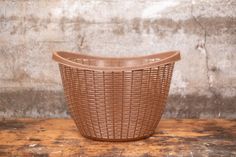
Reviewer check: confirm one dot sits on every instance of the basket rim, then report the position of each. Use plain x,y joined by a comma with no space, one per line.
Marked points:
163,58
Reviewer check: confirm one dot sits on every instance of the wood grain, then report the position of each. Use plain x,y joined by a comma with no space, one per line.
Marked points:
60,137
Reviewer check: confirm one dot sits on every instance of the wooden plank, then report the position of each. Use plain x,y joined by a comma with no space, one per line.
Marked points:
60,137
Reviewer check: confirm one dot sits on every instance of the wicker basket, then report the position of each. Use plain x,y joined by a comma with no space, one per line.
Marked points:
116,99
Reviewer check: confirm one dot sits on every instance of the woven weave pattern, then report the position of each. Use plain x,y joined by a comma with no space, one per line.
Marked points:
116,105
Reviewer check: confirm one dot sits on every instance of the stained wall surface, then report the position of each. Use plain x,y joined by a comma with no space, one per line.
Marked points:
204,81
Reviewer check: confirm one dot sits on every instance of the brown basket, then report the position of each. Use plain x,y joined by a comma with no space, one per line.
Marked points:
116,99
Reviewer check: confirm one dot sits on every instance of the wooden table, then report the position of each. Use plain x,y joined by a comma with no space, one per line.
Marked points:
59,137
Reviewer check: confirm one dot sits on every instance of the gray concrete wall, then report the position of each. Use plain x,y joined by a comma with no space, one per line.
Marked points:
204,81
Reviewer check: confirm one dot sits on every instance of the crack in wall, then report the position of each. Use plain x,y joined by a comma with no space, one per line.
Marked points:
203,46
82,42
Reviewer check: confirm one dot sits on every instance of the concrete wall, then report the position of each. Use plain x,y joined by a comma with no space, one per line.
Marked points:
204,81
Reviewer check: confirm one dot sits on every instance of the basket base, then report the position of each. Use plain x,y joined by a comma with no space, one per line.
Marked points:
118,140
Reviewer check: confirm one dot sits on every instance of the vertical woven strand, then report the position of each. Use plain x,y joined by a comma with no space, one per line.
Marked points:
139,104
99,95
152,102
165,86
117,94
122,105
95,95
104,91
113,107
157,98
90,114
163,90
142,128
130,104
83,100
76,94
167,83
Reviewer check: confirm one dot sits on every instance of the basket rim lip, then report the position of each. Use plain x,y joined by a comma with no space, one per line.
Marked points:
164,58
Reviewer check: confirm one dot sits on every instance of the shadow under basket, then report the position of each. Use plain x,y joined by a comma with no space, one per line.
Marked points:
116,99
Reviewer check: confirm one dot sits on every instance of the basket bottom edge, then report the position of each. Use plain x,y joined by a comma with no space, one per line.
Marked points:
117,140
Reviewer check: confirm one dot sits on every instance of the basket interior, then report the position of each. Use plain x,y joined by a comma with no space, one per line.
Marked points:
104,62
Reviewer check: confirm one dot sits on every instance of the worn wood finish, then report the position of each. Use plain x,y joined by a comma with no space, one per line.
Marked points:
60,137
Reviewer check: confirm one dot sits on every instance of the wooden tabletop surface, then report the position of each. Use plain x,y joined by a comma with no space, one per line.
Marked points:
60,137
